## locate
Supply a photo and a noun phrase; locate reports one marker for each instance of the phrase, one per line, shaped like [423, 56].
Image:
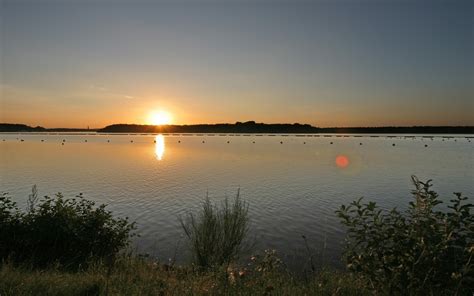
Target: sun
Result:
[160, 118]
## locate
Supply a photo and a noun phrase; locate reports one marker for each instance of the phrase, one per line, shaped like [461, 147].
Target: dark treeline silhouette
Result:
[252, 127]
[15, 127]
[402, 130]
[239, 127]
[248, 127]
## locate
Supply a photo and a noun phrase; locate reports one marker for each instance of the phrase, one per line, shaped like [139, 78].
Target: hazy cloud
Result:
[101, 88]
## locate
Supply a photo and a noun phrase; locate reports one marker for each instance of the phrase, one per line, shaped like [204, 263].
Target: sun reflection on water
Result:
[159, 147]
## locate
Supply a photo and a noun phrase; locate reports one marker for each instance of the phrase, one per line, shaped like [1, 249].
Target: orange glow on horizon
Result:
[342, 161]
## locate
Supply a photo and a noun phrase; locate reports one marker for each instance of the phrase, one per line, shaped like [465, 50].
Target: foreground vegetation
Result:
[134, 276]
[216, 234]
[61, 246]
[422, 251]
[67, 231]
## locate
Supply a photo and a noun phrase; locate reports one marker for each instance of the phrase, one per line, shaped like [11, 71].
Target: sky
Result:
[72, 63]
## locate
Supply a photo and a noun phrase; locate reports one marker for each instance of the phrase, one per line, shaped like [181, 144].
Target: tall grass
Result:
[217, 232]
[134, 276]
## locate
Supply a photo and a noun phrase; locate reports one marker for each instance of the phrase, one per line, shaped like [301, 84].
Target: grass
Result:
[134, 276]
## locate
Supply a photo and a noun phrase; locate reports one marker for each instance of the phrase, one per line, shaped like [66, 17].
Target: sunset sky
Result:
[91, 63]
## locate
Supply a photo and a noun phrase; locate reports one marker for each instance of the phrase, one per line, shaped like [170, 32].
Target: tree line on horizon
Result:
[246, 127]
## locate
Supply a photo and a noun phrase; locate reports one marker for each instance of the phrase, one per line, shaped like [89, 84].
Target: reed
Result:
[217, 232]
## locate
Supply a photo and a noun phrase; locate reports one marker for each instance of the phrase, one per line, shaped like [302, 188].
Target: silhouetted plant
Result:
[217, 233]
[32, 199]
[60, 230]
[423, 251]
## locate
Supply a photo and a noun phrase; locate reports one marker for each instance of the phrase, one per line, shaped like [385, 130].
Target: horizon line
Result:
[249, 122]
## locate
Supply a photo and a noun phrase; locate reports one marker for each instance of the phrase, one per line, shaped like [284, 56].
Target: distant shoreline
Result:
[250, 127]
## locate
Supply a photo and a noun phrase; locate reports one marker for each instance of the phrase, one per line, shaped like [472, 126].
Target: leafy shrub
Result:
[216, 233]
[60, 230]
[422, 251]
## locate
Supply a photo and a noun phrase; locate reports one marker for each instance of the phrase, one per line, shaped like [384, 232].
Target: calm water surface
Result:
[292, 183]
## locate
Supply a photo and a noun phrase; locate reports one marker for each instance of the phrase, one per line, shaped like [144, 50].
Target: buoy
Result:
[64, 140]
[304, 142]
[179, 141]
[253, 142]
[131, 141]
[331, 143]
[393, 144]
[203, 142]
[85, 141]
[426, 145]
[281, 142]
[228, 142]
[154, 141]
[62, 143]
[22, 140]
[360, 143]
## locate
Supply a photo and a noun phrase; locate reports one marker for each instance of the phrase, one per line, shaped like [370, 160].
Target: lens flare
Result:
[342, 161]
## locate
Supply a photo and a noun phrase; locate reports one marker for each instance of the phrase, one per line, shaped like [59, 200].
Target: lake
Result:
[293, 183]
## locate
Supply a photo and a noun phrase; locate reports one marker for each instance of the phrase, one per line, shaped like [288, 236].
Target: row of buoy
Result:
[203, 142]
[228, 142]
[253, 142]
[295, 135]
[281, 142]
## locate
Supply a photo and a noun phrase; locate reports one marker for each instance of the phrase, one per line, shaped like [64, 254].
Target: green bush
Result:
[423, 251]
[58, 230]
[217, 233]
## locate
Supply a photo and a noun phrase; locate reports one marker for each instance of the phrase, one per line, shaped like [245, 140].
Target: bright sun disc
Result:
[160, 118]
